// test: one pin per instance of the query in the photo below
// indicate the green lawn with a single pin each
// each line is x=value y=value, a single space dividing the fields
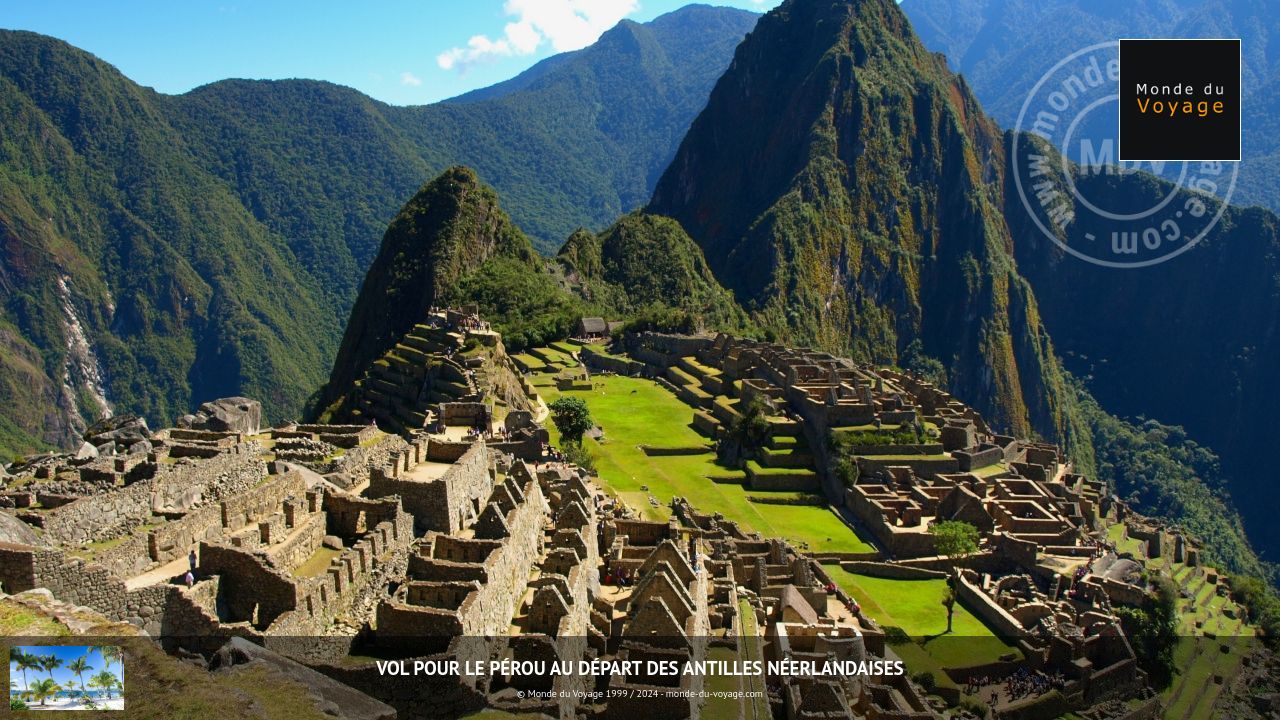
x=633 y=412
x=990 y=470
x=916 y=607
x=722 y=708
x=749 y=649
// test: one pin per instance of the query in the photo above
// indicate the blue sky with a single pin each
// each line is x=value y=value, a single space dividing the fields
x=62 y=676
x=404 y=52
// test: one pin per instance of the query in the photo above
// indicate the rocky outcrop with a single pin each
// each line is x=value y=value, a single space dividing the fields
x=116 y=436
x=13 y=530
x=332 y=697
x=232 y=414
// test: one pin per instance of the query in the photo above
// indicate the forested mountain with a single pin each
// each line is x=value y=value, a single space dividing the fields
x=157 y=251
x=452 y=226
x=1193 y=340
x=130 y=274
x=867 y=207
x=643 y=261
x=853 y=211
x=453 y=244
x=161 y=250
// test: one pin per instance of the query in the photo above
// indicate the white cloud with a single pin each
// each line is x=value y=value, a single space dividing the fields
x=408 y=78
x=564 y=24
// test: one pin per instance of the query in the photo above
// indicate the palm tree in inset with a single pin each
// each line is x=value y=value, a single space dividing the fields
x=49 y=663
x=24 y=661
x=104 y=680
x=110 y=654
x=44 y=689
x=80 y=666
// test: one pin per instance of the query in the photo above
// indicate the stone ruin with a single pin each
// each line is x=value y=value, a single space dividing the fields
x=454 y=539
x=923 y=457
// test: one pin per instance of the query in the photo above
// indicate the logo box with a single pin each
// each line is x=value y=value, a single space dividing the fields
x=1179 y=100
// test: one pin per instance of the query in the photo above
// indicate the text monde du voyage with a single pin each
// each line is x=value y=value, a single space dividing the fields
x=1180 y=99
x=543 y=668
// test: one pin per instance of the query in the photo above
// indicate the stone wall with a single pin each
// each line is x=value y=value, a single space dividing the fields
x=214 y=520
x=100 y=517
x=351 y=516
x=359 y=461
x=129 y=558
x=247 y=508
x=162 y=610
x=443 y=504
x=249 y=589
x=488 y=608
x=109 y=515
x=300 y=544
x=447 y=452
x=229 y=472
x=979 y=458
x=896 y=543
x=352 y=578
x=892 y=571
x=981 y=605
x=610 y=363
x=172 y=540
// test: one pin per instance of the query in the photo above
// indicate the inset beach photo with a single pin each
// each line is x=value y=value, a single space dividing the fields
x=66 y=677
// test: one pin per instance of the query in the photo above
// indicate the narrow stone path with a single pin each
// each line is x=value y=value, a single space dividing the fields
x=160 y=574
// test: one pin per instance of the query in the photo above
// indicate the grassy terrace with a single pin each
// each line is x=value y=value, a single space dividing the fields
x=635 y=412
x=726 y=708
x=317 y=564
x=916 y=607
x=991 y=470
x=1211 y=643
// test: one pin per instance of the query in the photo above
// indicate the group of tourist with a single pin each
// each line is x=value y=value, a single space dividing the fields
x=1100 y=548
x=621 y=578
x=552 y=454
x=1020 y=684
x=849 y=603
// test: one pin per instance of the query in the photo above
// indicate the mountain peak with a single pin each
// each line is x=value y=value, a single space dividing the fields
x=451 y=225
x=852 y=210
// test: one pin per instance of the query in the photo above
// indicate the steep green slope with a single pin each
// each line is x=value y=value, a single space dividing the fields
x=320 y=164
x=1194 y=340
x=452 y=244
x=1191 y=341
x=1160 y=470
x=853 y=209
x=326 y=166
x=163 y=250
x=139 y=277
x=643 y=262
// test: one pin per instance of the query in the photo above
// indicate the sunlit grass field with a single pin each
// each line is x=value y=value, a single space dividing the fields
x=634 y=412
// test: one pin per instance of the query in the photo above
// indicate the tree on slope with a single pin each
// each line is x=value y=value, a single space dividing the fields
x=955 y=540
x=572 y=418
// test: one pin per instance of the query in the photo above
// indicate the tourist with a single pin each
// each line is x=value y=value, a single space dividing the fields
x=189 y=579
x=191 y=558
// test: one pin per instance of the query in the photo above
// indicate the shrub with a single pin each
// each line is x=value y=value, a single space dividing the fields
x=578 y=454
x=926 y=680
x=895 y=635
